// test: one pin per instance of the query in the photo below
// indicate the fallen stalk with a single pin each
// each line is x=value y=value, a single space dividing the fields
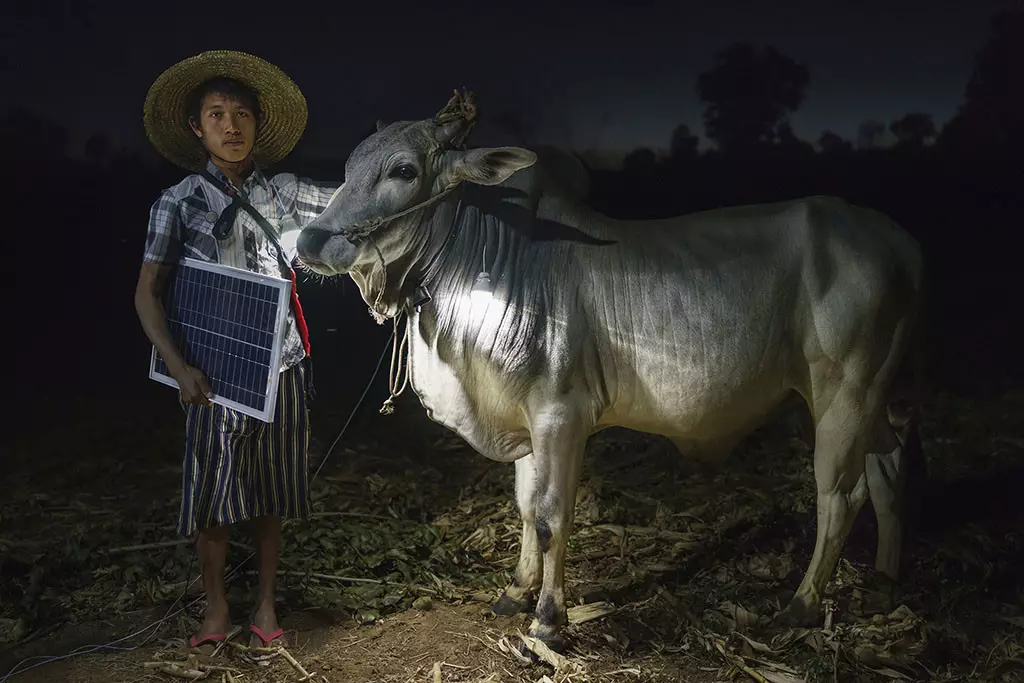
x=365 y=515
x=737 y=661
x=275 y=651
x=147 y=546
x=546 y=654
x=295 y=664
x=194 y=666
x=352 y=579
x=177 y=670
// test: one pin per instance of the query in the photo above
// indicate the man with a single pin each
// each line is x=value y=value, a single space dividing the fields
x=225 y=113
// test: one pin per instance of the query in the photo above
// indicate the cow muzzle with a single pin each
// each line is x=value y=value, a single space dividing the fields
x=325 y=252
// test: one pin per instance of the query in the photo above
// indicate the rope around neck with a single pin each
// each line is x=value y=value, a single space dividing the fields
x=365 y=229
x=378 y=315
x=397 y=355
x=395 y=388
x=398 y=349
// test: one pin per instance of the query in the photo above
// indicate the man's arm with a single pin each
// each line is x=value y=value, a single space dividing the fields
x=164 y=247
x=149 y=292
x=302 y=200
x=312 y=198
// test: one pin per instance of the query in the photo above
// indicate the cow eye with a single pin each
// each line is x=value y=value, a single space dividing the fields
x=404 y=171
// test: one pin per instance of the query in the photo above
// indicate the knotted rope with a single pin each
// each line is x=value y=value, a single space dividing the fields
x=461 y=106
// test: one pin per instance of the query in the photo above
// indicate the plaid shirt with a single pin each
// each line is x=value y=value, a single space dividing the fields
x=181 y=225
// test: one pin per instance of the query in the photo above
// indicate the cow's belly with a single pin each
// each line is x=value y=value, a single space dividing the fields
x=702 y=347
x=702 y=382
x=691 y=409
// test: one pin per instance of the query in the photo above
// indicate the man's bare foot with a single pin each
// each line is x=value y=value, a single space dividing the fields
x=265 y=620
x=216 y=622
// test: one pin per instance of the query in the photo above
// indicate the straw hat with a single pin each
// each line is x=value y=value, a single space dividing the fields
x=166 y=121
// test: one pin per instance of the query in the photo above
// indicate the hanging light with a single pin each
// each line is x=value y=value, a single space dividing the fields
x=481 y=292
x=289 y=242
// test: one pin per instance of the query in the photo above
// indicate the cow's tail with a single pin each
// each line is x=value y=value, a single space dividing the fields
x=905 y=411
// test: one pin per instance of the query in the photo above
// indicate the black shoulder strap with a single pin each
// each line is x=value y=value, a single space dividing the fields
x=239 y=200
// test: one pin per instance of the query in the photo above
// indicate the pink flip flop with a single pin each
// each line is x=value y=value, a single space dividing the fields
x=267 y=640
x=209 y=638
x=215 y=639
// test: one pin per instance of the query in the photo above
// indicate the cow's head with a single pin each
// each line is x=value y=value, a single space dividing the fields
x=403 y=167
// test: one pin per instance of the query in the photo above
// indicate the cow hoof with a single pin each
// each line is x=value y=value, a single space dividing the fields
x=509 y=607
x=555 y=642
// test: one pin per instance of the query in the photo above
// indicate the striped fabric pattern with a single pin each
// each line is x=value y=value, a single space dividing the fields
x=181 y=219
x=238 y=467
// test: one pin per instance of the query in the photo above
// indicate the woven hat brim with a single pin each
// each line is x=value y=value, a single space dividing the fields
x=166 y=121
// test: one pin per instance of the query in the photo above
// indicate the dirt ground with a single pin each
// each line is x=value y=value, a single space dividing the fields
x=463 y=640
x=414 y=535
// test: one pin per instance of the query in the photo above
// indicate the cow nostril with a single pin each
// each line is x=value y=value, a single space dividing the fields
x=312 y=240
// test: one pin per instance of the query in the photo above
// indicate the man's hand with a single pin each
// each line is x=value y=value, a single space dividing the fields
x=194 y=386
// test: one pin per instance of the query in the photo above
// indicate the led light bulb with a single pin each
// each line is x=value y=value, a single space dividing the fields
x=481 y=292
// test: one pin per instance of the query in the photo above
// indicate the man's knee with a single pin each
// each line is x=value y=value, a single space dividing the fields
x=214 y=534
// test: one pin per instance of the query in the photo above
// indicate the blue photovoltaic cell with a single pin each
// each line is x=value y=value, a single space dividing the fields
x=225 y=326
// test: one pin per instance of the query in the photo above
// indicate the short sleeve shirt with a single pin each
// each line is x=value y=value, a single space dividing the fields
x=182 y=218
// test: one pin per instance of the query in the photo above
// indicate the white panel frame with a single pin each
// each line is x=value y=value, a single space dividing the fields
x=284 y=288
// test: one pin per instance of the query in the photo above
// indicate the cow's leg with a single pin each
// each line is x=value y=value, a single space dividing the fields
x=803 y=424
x=559 y=441
x=526 y=580
x=841 y=435
x=886 y=477
x=896 y=475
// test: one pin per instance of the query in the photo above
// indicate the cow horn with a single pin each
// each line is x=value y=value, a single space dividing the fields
x=456 y=119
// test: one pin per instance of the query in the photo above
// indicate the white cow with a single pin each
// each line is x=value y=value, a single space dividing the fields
x=696 y=328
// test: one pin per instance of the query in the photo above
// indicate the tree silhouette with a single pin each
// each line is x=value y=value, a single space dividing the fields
x=832 y=143
x=992 y=115
x=640 y=160
x=869 y=134
x=788 y=142
x=683 y=147
x=913 y=129
x=98 y=149
x=27 y=135
x=750 y=91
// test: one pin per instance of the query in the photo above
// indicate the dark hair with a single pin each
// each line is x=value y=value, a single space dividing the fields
x=224 y=86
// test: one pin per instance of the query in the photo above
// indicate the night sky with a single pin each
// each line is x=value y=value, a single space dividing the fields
x=584 y=77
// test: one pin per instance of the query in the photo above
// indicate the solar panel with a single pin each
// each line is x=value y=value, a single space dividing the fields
x=229 y=323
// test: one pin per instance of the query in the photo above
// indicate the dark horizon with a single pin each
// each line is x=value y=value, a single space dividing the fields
x=598 y=80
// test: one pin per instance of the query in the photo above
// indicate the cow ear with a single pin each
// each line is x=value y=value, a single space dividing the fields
x=493 y=165
x=381 y=125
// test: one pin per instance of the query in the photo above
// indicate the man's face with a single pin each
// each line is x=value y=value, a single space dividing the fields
x=226 y=126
